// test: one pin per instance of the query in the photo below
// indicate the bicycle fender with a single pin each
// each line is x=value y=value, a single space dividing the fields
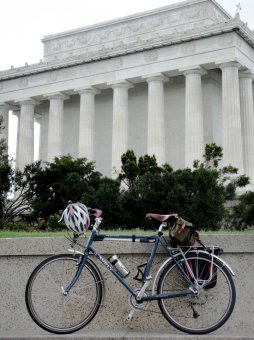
x=170 y=259
x=92 y=263
x=74 y=251
x=220 y=259
x=159 y=271
x=101 y=280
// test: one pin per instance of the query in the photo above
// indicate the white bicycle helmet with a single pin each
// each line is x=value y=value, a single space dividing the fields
x=76 y=218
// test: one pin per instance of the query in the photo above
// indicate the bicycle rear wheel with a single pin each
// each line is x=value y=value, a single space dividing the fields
x=211 y=307
x=50 y=308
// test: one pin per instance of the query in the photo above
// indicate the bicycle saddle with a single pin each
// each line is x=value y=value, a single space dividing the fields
x=162 y=218
x=94 y=212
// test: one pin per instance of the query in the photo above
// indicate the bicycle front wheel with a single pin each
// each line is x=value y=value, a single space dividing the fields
x=210 y=308
x=50 y=308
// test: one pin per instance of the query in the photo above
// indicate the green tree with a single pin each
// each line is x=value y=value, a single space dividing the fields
x=48 y=188
x=227 y=175
x=20 y=204
x=106 y=196
x=198 y=195
x=130 y=169
x=144 y=197
x=149 y=164
x=6 y=172
x=195 y=195
x=207 y=199
x=243 y=215
x=213 y=155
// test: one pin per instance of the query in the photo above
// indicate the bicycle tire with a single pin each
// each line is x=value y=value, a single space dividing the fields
x=202 y=313
x=50 y=308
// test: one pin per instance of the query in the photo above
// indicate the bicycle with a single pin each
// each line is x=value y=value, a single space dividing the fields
x=193 y=287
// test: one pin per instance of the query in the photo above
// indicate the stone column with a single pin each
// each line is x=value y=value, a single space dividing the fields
x=25 y=140
x=231 y=120
x=194 y=130
x=42 y=119
x=44 y=126
x=120 y=122
x=86 y=122
x=55 y=125
x=156 y=117
x=253 y=93
x=16 y=112
x=247 y=122
x=4 y=112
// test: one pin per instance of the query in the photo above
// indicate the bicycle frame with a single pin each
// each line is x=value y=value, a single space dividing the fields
x=140 y=297
x=181 y=276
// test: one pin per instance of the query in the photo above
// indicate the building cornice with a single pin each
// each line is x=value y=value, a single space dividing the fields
x=232 y=25
x=132 y=17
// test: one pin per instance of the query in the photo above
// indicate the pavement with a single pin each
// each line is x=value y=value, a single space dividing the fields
x=126 y=335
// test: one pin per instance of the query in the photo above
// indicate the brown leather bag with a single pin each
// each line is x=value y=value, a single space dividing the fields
x=181 y=233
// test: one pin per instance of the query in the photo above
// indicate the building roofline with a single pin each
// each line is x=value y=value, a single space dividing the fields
x=231 y=25
x=68 y=62
x=132 y=17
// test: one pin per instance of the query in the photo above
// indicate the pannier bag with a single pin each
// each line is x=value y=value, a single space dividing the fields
x=205 y=271
x=181 y=232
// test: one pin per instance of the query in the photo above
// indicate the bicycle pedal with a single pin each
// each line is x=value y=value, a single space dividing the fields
x=130 y=315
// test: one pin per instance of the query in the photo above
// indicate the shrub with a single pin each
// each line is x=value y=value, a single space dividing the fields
x=53 y=223
x=14 y=226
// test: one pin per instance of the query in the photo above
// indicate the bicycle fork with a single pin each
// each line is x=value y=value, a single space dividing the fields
x=66 y=290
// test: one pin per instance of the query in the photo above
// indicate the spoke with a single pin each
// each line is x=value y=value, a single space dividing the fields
x=86 y=285
x=80 y=297
x=206 y=310
x=50 y=308
x=39 y=293
x=60 y=275
x=51 y=279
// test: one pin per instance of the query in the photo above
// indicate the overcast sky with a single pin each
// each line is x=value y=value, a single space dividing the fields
x=24 y=23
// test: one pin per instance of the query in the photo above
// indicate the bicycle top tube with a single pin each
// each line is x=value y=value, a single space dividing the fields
x=157 y=236
x=127 y=237
x=161 y=218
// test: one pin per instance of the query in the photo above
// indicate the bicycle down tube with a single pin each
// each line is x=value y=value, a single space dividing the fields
x=156 y=239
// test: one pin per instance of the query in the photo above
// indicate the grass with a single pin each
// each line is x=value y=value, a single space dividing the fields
x=13 y=234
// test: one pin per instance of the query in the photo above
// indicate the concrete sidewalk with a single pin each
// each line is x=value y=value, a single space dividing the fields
x=127 y=335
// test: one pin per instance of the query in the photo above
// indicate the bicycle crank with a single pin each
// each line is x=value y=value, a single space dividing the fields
x=136 y=306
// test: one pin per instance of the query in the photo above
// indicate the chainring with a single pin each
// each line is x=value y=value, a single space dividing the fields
x=138 y=306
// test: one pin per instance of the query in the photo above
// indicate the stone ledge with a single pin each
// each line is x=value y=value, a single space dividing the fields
x=128 y=335
x=19 y=256
x=231 y=243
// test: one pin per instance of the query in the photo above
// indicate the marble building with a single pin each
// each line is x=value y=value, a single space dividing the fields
x=163 y=82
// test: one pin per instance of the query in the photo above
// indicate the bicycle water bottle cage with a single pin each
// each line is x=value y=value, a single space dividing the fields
x=140 y=274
